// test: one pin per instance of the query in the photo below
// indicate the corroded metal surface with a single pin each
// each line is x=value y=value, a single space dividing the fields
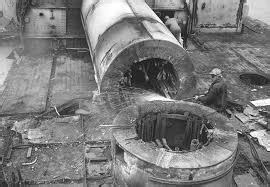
x=53 y=19
x=120 y=33
x=210 y=163
x=45 y=22
x=214 y=16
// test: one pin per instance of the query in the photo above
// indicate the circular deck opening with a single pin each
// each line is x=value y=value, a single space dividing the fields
x=155 y=74
x=253 y=79
x=179 y=132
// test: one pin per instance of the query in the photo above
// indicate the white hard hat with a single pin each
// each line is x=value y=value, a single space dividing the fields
x=167 y=17
x=215 y=71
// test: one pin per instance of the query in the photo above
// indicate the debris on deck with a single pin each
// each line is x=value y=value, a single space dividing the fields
x=263 y=137
x=245 y=180
x=262 y=102
x=54 y=131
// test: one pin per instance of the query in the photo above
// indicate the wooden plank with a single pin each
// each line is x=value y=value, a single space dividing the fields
x=262 y=102
x=245 y=180
x=242 y=117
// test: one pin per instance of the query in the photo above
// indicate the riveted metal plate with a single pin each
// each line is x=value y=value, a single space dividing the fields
x=46 y=22
x=212 y=16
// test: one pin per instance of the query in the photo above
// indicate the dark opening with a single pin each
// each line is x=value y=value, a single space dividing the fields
x=175 y=132
x=154 y=74
x=254 y=79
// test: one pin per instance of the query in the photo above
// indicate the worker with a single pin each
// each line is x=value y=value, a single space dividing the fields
x=173 y=26
x=183 y=25
x=216 y=97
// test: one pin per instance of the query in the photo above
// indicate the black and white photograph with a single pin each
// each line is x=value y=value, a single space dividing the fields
x=135 y=93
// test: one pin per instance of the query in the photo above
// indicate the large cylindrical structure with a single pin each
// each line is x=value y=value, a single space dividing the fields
x=123 y=32
x=153 y=146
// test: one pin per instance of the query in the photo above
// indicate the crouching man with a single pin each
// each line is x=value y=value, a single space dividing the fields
x=217 y=96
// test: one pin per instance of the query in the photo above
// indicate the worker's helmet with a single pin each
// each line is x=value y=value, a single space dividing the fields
x=167 y=17
x=215 y=72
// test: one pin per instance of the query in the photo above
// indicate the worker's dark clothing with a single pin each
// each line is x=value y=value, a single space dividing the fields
x=173 y=26
x=216 y=96
x=184 y=33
